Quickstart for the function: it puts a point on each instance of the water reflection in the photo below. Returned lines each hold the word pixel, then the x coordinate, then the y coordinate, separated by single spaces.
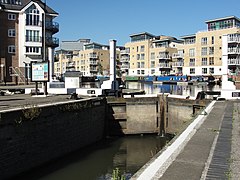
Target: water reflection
pixel 185 90
pixel 97 162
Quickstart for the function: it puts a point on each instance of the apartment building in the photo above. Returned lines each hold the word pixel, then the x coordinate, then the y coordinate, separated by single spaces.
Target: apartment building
pixel 203 51
pixel 91 60
pixel 64 55
pixel 150 55
pixel 26 35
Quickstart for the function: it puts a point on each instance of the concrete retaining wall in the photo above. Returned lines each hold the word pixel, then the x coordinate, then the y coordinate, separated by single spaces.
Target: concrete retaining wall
pixel 31 137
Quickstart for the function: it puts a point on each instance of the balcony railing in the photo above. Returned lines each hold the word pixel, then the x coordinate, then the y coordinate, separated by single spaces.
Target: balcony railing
pixel 33 39
pixel 125 51
pixel 52 26
pixel 164 65
pixel 164 56
pixel 234 38
pixel 234 50
pixel 93 56
pixel 177 55
pixel 52 41
pixel 93 63
pixel 125 59
pixel 178 64
pixel 93 70
pixel 125 66
pixel 234 61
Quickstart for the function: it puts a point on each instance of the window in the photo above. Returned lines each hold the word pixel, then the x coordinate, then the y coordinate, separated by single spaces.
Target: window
pixel 191 52
pixel 138 65
pixel 11 16
pixel 192 70
pixel 138 71
pixel 11 33
pixel 32 36
pixel 204 51
pixel 211 61
pixel 138 56
pixel 35 50
pixel 204 41
pixel 152 64
pixel 142 72
pixel 204 61
pixel 153 55
pixel 142 48
pixel 11 49
pixel 142 64
pixel 204 70
pixel 211 50
pixel 212 39
pixel 192 62
pixel 152 71
pixel 211 70
pixel 142 57
pixel 32 16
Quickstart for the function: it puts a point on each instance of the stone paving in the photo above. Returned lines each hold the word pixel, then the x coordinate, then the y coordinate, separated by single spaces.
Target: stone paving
pixel 213 152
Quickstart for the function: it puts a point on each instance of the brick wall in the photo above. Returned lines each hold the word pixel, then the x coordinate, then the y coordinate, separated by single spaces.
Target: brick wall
pixel 52 132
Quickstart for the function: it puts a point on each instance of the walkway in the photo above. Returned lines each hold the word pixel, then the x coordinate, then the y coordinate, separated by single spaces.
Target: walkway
pixel 211 153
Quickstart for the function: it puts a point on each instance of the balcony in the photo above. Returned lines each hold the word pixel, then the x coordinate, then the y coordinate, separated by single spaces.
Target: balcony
pixel 52 26
pixel 163 56
pixel 93 70
pixel 52 42
pixel 234 38
pixel 124 59
pixel 93 56
pixel 126 51
pixel 234 50
pixel 93 63
pixel 164 65
pixel 176 55
pixel 177 64
pixel 125 66
pixel 234 61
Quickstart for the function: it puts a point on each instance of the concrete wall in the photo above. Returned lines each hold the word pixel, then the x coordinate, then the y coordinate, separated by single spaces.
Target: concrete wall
pixel 31 137
pixel 160 114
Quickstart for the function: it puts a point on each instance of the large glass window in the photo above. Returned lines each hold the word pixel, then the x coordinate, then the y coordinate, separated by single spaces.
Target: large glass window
pixel 211 50
pixel 204 70
pixel 204 41
pixel 211 61
pixel 32 16
pixel 192 70
pixel 192 62
pixel 32 36
pixel 152 64
pixel 204 51
pixel 192 52
pixel 204 61
pixel 152 55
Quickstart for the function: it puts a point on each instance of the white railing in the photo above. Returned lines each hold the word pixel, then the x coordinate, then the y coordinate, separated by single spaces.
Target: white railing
pixel 164 65
pixel 125 66
pixel 178 64
pixel 177 55
pixel 124 59
pixel 235 61
pixel 234 50
pixel 163 56
pixel 93 56
pixel 234 38
pixel 93 62
pixel 125 51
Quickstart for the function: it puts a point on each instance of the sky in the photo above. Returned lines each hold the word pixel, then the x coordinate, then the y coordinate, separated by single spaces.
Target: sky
pixel 102 20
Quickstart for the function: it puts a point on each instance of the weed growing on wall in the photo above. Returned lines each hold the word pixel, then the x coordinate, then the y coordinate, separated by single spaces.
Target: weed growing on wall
pixel 29 112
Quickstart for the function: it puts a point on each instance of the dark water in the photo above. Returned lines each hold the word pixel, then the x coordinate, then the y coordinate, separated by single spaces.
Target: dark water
pixel 97 162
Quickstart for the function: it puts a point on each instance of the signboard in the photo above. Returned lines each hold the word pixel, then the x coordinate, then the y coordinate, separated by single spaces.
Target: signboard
pixel 39 72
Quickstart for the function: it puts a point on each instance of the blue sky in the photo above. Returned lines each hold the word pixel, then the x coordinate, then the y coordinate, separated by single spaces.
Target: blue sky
pixel 101 20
